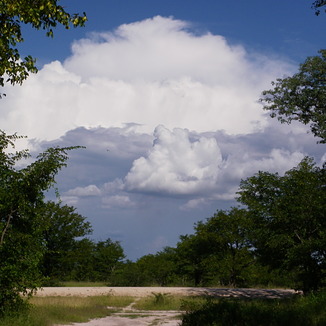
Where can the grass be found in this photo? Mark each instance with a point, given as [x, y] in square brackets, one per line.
[158, 301]
[297, 311]
[200, 311]
[47, 311]
[165, 301]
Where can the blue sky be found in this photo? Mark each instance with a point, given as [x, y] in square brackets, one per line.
[287, 28]
[164, 95]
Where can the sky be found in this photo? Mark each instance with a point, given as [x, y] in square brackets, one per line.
[164, 96]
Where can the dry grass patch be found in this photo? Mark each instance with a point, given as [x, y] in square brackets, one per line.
[166, 301]
[47, 311]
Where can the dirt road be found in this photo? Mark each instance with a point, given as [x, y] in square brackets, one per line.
[146, 291]
[131, 317]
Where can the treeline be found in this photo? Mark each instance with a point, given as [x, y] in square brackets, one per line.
[277, 237]
[67, 256]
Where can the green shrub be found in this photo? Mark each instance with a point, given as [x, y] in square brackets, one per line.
[159, 301]
[297, 311]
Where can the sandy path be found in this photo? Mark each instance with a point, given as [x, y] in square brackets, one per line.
[126, 317]
[151, 318]
[145, 291]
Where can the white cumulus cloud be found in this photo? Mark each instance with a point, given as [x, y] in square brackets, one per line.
[156, 71]
[90, 190]
[120, 201]
[242, 164]
[176, 164]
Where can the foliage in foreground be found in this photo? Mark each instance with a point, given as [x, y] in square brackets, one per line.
[317, 5]
[298, 311]
[288, 214]
[21, 224]
[41, 14]
[302, 96]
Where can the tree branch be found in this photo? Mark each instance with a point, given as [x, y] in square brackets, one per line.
[296, 233]
[5, 229]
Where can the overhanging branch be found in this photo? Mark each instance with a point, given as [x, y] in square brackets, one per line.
[5, 228]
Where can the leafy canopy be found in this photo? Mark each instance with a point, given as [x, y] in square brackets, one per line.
[219, 251]
[39, 14]
[301, 97]
[318, 4]
[288, 214]
[21, 228]
[62, 226]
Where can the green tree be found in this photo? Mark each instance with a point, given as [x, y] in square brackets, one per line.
[107, 256]
[192, 253]
[165, 266]
[79, 262]
[301, 97]
[145, 269]
[21, 231]
[219, 252]
[158, 269]
[288, 214]
[149, 270]
[127, 274]
[227, 232]
[63, 226]
[39, 14]
[84, 259]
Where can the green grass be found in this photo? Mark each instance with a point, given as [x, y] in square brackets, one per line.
[200, 311]
[47, 311]
[164, 301]
[297, 311]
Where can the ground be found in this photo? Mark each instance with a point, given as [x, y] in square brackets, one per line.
[157, 318]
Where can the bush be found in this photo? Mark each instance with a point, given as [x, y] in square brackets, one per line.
[297, 311]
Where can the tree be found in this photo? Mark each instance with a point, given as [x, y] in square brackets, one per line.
[128, 274]
[63, 226]
[227, 232]
[79, 262]
[219, 252]
[21, 231]
[192, 253]
[288, 213]
[39, 14]
[301, 97]
[164, 270]
[318, 4]
[107, 256]
[157, 269]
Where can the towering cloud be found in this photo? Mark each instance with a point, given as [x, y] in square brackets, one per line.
[171, 123]
[156, 71]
